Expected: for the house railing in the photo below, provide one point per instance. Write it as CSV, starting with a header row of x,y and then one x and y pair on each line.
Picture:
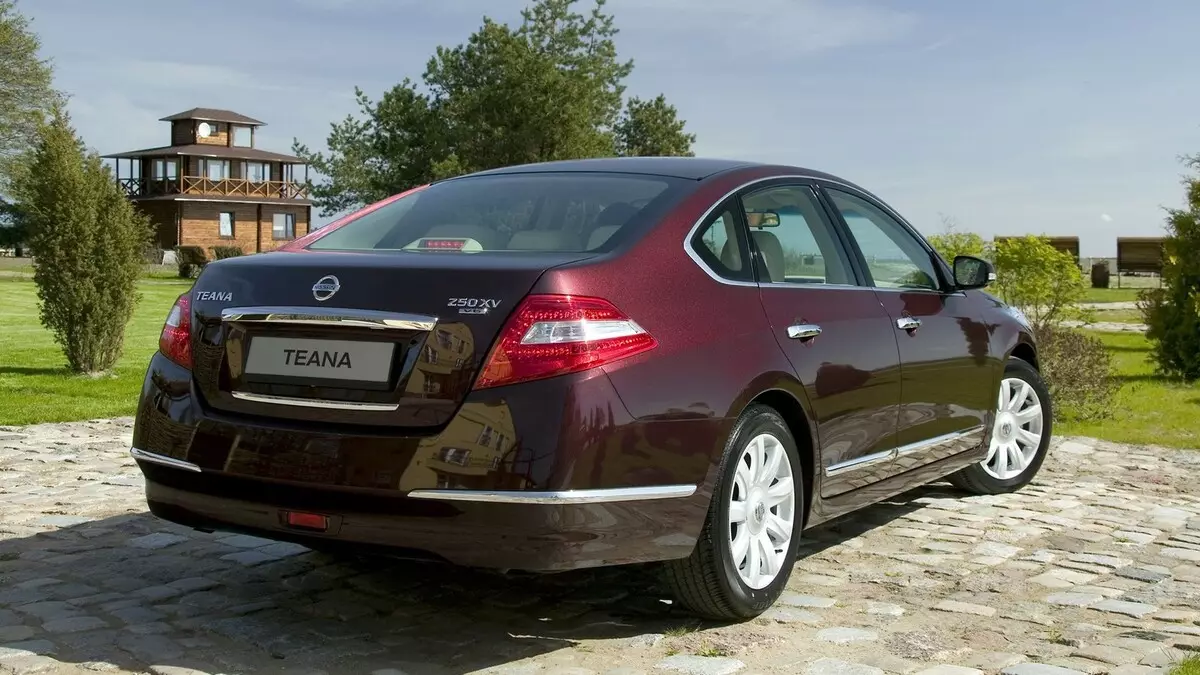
x,y
224,187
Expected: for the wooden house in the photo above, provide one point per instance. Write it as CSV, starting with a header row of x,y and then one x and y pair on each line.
x,y
212,186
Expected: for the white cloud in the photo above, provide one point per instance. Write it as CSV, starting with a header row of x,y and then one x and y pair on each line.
x,y
1106,218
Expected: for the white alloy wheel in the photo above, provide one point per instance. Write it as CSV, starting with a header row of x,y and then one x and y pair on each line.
x,y
762,511
1017,433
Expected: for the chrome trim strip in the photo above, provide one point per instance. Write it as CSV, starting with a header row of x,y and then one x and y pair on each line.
x,y
859,463
687,240
326,316
938,440
602,496
163,460
875,458
314,402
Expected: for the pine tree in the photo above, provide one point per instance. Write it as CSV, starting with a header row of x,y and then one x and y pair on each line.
x,y
1173,312
87,242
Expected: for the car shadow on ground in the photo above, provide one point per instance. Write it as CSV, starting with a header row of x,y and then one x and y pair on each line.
x,y
136,591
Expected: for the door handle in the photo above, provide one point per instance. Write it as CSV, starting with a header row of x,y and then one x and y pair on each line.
x,y
908,323
803,331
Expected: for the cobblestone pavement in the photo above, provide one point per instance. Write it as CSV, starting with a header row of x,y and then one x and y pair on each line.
x,y
1092,569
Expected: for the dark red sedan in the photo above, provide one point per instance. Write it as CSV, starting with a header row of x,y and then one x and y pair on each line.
x,y
589,363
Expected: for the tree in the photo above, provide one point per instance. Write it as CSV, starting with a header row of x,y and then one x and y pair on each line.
x,y
1037,278
652,129
952,243
26,91
549,89
89,243
1172,312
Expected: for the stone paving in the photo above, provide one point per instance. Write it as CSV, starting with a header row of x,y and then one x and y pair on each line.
x,y
1093,569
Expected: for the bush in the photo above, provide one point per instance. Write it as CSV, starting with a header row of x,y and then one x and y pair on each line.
x,y
1078,370
89,242
1042,281
1100,274
191,260
1172,313
222,252
152,254
952,244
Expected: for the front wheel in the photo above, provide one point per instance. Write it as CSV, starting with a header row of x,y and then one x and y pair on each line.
x,y
1020,434
745,553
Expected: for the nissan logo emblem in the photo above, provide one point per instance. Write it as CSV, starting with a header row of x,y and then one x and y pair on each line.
x,y
326,287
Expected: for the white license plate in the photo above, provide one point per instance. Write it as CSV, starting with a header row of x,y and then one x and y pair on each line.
x,y
320,359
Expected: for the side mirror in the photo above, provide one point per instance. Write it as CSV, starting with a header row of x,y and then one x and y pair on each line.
x,y
971,272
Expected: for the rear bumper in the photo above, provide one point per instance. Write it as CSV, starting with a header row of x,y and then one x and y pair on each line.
x,y
546,475
523,530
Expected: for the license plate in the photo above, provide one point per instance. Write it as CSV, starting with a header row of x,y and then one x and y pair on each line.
x,y
320,359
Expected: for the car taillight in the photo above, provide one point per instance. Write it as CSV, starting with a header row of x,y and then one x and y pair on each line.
x,y
175,343
552,335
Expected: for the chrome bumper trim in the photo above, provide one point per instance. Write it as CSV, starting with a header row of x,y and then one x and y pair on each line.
x,y
314,402
163,460
330,316
628,494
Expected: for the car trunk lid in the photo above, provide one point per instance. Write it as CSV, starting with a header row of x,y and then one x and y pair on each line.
x,y
386,339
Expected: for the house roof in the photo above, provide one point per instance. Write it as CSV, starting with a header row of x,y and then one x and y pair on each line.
x,y
198,150
213,115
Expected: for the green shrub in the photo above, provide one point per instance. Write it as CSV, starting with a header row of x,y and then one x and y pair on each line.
x,y
191,260
951,244
1042,281
1100,274
89,242
222,252
1078,370
1172,313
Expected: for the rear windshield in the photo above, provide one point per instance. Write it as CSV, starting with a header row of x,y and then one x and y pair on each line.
x,y
553,212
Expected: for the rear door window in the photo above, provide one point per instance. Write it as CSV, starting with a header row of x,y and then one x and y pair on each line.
x,y
550,212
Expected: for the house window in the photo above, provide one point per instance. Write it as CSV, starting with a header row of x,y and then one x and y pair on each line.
x,y
225,225
242,137
454,456
256,172
430,354
214,169
166,169
283,226
485,436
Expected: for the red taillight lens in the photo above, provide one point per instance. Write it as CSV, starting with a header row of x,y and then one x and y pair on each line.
x,y
558,334
176,340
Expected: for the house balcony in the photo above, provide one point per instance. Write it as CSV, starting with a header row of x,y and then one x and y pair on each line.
x,y
201,186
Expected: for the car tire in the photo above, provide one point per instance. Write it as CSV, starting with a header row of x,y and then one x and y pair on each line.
x,y
1013,457
710,582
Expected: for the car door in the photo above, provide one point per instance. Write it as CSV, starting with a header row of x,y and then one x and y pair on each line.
x,y
947,387
835,332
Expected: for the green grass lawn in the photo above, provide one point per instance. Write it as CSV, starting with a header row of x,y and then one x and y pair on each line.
x,y
1117,315
1111,295
1149,409
35,385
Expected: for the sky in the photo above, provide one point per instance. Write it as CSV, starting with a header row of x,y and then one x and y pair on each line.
x,y
1063,117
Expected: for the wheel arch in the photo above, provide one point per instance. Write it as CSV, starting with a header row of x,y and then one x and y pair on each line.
x,y
786,396
1026,351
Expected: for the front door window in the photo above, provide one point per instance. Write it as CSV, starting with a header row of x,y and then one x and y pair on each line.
x,y
894,257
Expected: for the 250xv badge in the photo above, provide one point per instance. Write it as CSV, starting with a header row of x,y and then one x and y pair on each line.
x,y
473,305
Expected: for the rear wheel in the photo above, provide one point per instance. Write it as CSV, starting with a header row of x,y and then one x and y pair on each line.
x,y
746,550
1020,435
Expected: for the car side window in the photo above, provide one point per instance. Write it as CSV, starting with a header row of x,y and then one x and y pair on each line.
x,y
894,257
719,246
795,241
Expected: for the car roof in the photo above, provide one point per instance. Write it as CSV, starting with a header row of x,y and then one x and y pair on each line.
x,y
690,168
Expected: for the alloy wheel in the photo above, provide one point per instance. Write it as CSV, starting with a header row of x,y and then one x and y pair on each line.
x,y
762,511
1017,433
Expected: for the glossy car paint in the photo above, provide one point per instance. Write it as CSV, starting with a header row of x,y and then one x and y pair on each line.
x,y
658,418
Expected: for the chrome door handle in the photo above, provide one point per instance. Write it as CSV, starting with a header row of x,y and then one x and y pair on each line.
x,y
804,331
908,323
